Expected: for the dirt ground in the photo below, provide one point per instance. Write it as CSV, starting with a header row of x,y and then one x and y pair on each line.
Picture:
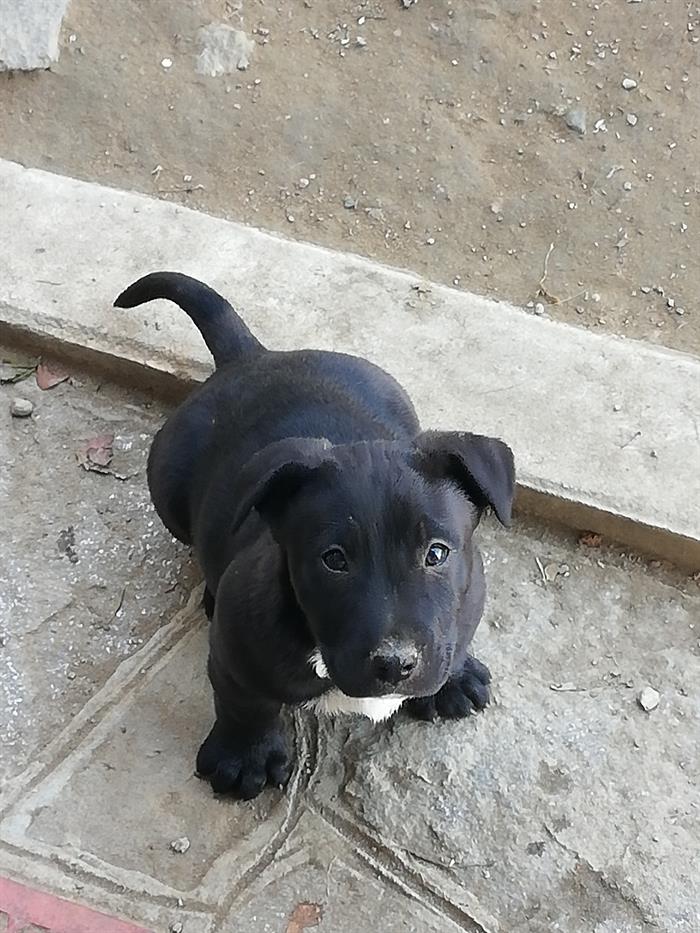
x,y
434,137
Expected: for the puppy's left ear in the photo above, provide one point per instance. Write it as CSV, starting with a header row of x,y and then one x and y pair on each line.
x,y
482,466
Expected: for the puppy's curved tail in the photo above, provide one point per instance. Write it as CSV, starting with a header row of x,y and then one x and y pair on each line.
x,y
225,334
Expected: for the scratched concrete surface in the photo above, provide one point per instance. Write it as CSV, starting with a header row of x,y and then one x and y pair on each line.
x,y
564,807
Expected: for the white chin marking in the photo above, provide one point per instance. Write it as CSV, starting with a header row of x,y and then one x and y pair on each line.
x,y
336,703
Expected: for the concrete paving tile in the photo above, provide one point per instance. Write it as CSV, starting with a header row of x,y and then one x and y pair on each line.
x,y
564,806
315,868
116,803
87,574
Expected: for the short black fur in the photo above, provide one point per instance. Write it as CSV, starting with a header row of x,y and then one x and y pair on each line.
x,y
280,458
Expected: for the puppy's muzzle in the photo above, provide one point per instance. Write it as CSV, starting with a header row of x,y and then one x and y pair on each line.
x,y
392,664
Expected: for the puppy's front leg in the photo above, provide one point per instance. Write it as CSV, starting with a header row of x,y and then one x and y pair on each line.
x,y
465,692
246,748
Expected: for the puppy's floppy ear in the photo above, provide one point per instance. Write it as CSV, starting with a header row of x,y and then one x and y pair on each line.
x,y
482,466
275,474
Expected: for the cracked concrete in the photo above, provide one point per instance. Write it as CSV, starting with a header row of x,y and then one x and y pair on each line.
x,y
564,807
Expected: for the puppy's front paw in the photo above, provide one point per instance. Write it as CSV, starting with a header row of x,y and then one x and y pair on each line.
x,y
242,768
464,693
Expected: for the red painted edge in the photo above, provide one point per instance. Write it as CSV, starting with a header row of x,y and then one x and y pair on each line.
x,y
23,905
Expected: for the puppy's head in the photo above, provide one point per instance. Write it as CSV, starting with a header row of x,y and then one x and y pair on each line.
x,y
378,546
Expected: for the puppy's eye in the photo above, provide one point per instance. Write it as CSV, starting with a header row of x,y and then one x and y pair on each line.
x,y
335,560
436,554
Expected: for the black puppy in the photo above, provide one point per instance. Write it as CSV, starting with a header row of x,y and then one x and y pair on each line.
x,y
335,537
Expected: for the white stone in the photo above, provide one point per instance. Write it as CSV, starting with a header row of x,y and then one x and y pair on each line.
x,y
29,31
648,699
225,50
21,407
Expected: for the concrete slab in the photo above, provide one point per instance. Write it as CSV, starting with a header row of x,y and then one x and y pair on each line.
x,y
164,719
86,574
564,806
314,873
29,31
604,430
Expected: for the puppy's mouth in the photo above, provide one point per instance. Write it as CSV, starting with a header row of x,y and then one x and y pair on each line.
x,y
321,670
409,689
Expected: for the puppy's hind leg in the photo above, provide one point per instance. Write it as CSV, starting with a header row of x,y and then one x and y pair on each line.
x,y
208,603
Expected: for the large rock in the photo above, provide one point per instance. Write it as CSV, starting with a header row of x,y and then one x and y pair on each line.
x,y
29,33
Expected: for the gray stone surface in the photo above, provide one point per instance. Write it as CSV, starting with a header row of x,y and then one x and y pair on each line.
x,y
565,806
603,424
313,867
29,31
86,573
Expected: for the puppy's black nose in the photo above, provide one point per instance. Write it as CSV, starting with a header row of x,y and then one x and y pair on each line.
x,y
395,666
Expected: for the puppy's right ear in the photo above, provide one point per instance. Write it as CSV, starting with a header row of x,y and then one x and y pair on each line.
x,y
273,476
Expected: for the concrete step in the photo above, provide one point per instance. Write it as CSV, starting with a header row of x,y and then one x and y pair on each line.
x,y
605,430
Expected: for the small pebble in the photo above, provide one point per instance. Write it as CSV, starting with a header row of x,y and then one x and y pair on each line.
x,y
629,84
180,845
671,303
648,699
21,408
617,408
627,185
361,41
430,241
167,63
176,927
576,120
304,182
539,308
632,119
349,203
645,289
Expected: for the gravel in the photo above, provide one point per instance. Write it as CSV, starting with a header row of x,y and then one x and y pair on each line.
x,y
21,407
180,845
648,699
576,120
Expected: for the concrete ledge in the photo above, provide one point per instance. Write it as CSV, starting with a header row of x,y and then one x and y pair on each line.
x,y
605,430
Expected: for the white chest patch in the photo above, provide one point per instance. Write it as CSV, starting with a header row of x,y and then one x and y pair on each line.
x,y
336,703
